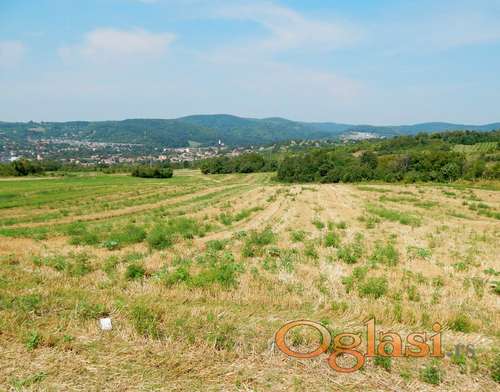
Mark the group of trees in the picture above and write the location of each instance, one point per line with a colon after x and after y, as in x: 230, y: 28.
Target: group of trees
x: 22, y: 167
x: 245, y: 163
x: 156, y: 171
x: 332, y: 166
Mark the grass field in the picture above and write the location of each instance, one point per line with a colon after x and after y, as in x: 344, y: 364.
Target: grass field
x: 198, y: 272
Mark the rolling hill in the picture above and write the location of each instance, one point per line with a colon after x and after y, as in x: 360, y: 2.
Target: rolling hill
x: 206, y: 130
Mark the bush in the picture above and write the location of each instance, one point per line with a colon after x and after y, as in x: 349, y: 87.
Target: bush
x: 24, y: 167
x: 152, y: 171
x: 245, y: 163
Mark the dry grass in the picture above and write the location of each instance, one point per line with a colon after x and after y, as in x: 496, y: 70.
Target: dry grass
x: 203, y: 315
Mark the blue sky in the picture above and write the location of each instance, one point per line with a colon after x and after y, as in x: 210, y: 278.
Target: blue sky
x: 357, y: 61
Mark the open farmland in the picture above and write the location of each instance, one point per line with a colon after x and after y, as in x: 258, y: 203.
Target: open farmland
x: 198, y: 272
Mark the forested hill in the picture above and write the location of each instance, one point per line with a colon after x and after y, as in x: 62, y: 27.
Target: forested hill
x: 206, y: 130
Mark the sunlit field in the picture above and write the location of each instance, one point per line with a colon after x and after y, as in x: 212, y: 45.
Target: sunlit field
x: 198, y: 272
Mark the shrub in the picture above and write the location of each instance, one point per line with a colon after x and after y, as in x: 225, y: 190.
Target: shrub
x: 152, y: 171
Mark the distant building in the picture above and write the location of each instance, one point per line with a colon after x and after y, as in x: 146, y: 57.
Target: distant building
x: 12, y: 159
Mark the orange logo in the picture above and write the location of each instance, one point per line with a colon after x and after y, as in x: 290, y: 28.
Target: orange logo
x: 390, y: 344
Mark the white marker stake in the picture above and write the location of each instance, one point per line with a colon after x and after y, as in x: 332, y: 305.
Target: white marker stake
x: 105, y: 324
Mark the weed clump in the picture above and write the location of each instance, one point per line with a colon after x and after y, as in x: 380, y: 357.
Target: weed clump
x: 352, y: 252
x: 159, y: 238
x: 134, y: 271
x: 145, y: 321
x: 298, y: 235
x: 332, y: 240
x: 431, y: 374
x: 385, y: 254
x: 374, y: 287
x: 461, y: 323
x: 256, y: 240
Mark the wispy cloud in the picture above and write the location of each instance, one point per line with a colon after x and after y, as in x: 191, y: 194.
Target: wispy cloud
x: 288, y: 29
x: 11, y: 53
x: 112, y: 44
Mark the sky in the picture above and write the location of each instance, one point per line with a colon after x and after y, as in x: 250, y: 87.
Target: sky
x: 353, y: 61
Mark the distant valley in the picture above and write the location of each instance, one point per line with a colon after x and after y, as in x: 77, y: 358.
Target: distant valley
x: 152, y: 136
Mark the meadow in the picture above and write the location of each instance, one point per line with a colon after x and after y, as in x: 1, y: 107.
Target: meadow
x: 197, y: 273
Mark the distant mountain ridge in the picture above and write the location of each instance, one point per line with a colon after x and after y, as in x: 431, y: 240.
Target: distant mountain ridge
x: 208, y: 130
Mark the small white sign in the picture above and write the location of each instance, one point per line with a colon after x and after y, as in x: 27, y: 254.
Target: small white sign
x: 105, y: 324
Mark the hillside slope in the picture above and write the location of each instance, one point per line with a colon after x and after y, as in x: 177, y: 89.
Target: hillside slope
x: 206, y: 130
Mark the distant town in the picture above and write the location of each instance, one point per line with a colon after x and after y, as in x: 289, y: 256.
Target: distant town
x: 106, y: 153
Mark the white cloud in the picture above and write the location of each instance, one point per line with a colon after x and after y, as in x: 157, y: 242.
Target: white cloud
x: 112, y: 44
x: 291, y: 30
x: 11, y: 52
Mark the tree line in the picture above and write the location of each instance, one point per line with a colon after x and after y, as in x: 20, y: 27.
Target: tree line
x: 331, y: 166
x: 245, y: 163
